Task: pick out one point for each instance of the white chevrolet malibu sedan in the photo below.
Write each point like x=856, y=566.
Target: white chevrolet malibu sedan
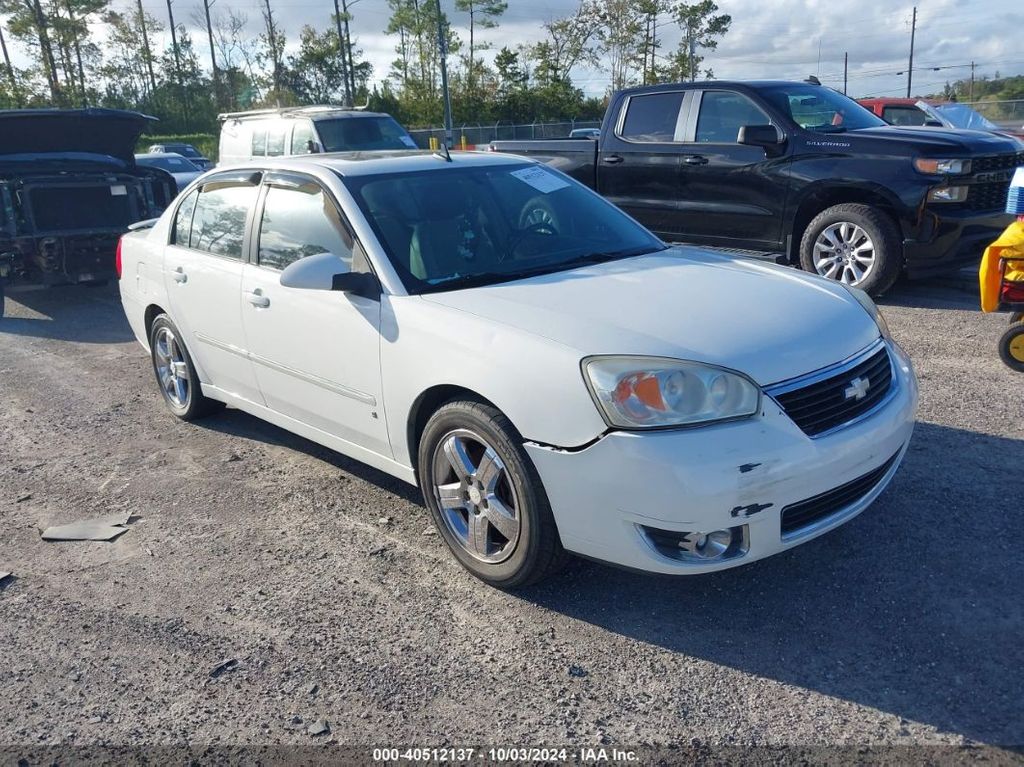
x=552, y=376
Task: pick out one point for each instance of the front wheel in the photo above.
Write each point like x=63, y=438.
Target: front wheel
x=486, y=497
x=1011, y=347
x=858, y=245
x=176, y=374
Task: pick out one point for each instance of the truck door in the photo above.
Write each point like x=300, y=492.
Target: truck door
x=638, y=165
x=731, y=194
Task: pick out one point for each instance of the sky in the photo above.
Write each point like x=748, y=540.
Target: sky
x=788, y=39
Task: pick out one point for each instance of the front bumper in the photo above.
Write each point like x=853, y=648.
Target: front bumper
x=951, y=238
x=608, y=496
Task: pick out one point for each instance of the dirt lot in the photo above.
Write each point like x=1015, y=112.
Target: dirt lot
x=321, y=579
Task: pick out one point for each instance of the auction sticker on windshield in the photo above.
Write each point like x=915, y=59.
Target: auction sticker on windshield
x=540, y=179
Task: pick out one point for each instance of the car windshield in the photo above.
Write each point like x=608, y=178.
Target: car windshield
x=169, y=163
x=820, y=109
x=453, y=227
x=349, y=134
x=958, y=116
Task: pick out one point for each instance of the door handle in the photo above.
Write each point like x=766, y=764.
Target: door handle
x=179, y=275
x=612, y=159
x=257, y=299
x=695, y=159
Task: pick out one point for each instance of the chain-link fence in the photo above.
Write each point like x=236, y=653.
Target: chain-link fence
x=476, y=134
x=1009, y=114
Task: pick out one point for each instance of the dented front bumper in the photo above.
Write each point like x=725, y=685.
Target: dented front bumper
x=608, y=497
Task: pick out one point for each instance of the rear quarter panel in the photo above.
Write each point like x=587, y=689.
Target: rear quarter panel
x=142, y=283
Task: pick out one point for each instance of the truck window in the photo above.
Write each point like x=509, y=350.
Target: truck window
x=904, y=116
x=723, y=113
x=275, y=142
x=218, y=225
x=302, y=134
x=299, y=222
x=259, y=142
x=652, y=118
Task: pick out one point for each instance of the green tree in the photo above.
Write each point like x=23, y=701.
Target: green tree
x=569, y=43
x=622, y=39
x=702, y=27
x=483, y=14
x=315, y=72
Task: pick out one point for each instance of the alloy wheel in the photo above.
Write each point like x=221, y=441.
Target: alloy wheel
x=845, y=252
x=171, y=367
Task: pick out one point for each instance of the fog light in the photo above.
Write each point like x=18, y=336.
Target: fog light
x=699, y=546
x=948, y=194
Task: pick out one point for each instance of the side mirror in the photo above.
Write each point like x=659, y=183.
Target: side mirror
x=324, y=272
x=312, y=147
x=766, y=136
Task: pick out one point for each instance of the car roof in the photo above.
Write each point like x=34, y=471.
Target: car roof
x=716, y=85
x=159, y=156
x=326, y=112
x=354, y=164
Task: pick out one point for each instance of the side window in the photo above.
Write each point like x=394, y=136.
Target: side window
x=652, y=118
x=301, y=221
x=302, y=134
x=259, y=142
x=904, y=116
x=723, y=113
x=275, y=142
x=183, y=220
x=218, y=225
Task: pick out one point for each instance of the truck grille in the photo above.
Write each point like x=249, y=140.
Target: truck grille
x=798, y=516
x=823, y=404
x=997, y=162
x=988, y=196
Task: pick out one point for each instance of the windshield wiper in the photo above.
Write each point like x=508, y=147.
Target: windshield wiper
x=600, y=257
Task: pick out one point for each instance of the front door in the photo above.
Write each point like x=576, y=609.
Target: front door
x=203, y=275
x=316, y=353
x=638, y=165
x=730, y=191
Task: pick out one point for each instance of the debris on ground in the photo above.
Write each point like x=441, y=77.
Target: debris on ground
x=4, y=576
x=24, y=497
x=430, y=531
x=319, y=727
x=102, y=529
x=223, y=667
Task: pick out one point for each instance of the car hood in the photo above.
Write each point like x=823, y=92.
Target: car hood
x=769, y=322
x=105, y=132
x=937, y=139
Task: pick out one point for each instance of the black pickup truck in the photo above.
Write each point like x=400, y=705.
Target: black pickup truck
x=795, y=169
x=69, y=188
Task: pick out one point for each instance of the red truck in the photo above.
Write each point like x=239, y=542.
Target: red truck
x=935, y=114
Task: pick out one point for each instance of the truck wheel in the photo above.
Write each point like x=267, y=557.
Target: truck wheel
x=1011, y=347
x=485, y=496
x=175, y=374
x=858, y=245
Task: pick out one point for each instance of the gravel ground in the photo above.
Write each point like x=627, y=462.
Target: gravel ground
x=320, y=586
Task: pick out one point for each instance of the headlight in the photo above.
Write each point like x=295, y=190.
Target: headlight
x=948, y=194
x=942, y=167
x=655, y=392
x=869, y=306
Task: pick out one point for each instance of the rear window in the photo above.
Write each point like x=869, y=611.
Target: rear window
x=350, y=134
x=652, y=118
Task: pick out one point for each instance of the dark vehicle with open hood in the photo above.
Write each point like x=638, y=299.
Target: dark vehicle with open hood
x=69, y=188
x=793, y=169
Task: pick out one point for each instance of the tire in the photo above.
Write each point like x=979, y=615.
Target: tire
x=857, y=232
x=1011, y=347
x=496, y=481
x=187, y=401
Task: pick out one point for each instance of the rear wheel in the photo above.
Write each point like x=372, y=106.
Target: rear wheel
x=175, y=374
x=1011, y=347
x=858, y=245
x=486, y=497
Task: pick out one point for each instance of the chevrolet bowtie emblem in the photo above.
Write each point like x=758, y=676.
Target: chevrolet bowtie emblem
x=858, y=388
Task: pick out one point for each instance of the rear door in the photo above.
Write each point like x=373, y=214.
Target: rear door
x=638, y=165
x=203, y=275
x=316, y=353
x=732, y=194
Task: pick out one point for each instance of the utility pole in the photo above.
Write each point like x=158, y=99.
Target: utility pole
x=213, y=55
x=347, y=94
x=846, y=69
x=145, y=47
x=971, y=97
x=910, y=65
x=177, y=65
x=10, y=69
x=442, y=43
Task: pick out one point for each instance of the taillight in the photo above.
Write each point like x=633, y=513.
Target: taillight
x=117, y=257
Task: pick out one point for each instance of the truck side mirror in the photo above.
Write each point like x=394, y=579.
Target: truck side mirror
x=766, y=136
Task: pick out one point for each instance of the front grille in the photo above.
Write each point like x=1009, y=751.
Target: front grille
x=823, y=404
x=997, y=162
x=800, y=515
x=988, y=196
